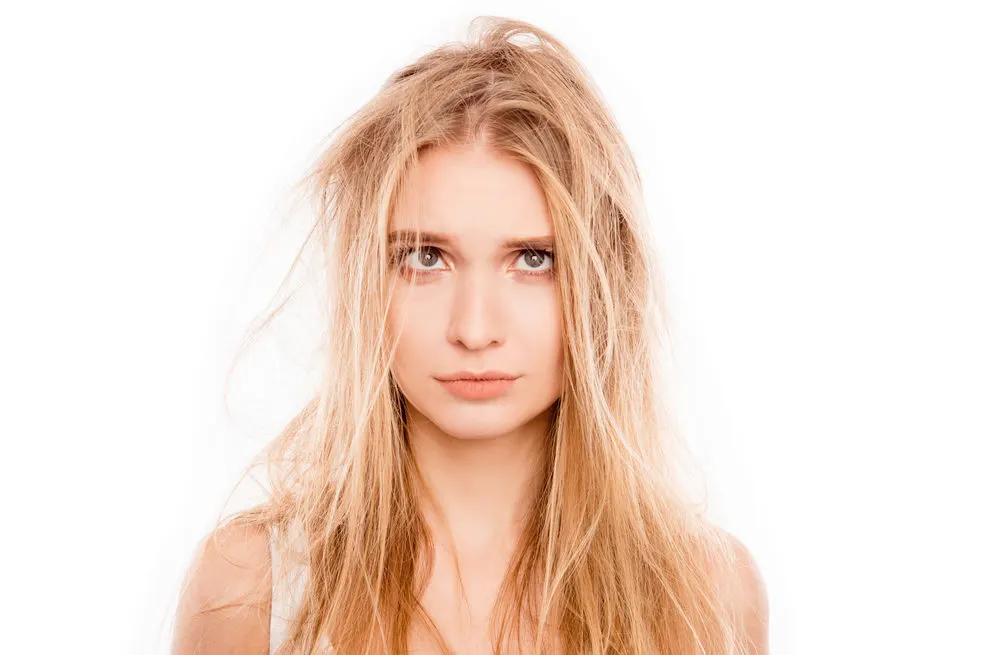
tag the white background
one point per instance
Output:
(824, 179)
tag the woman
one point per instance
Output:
(481, 217)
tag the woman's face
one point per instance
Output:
(479, 300)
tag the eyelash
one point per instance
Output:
(400, 255)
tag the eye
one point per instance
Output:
(536, 260)
(425, 255)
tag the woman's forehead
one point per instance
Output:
(471, 193)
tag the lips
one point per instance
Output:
(481, 389)
(484, 375)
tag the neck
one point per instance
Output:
(477, 492)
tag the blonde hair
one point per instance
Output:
(617, 558)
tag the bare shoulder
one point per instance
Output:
(225, 604)
(749, 595)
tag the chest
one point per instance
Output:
(460, 599)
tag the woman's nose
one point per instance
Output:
(476, 319)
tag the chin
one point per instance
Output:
(476, 422)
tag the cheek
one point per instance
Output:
(415, 331)
(539, 322)
(397, 332)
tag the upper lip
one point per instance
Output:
(484, 375)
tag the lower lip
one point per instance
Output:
(477, 389)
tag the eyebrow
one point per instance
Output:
(441, 239)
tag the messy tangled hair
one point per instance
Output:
(617, 557)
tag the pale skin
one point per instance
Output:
(478, 303)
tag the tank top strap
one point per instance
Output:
(287, 587)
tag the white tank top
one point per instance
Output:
(286, 594)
